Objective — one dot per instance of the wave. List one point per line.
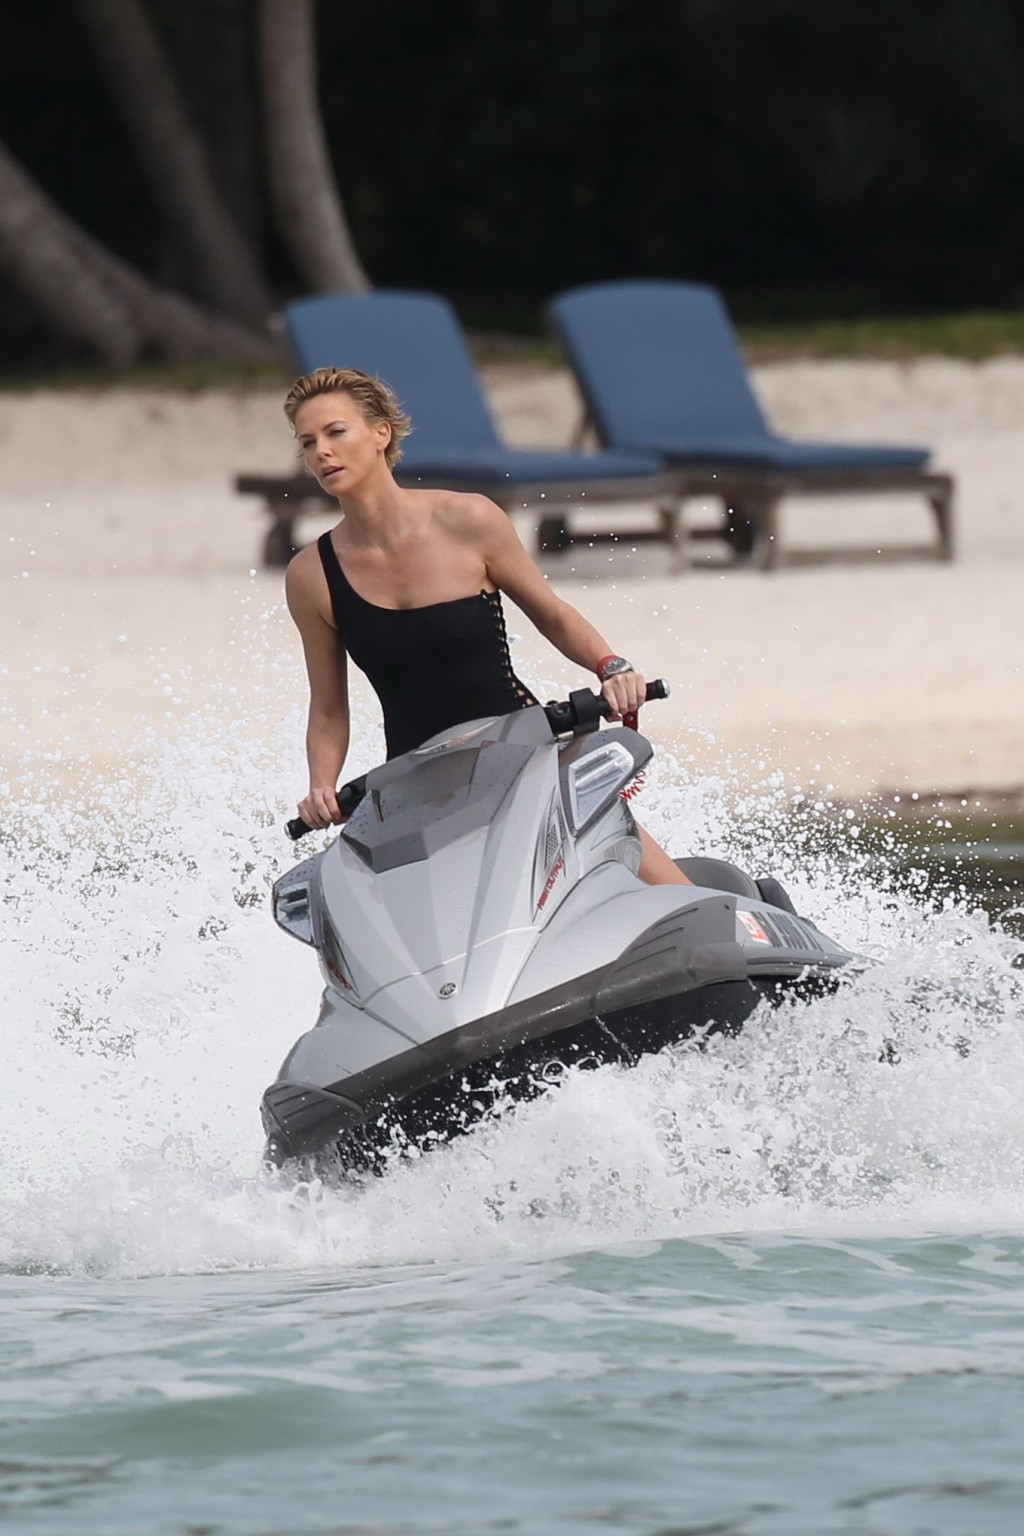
(148, 1000)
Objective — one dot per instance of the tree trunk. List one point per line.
(89, 295)
(143, 84)
(220, 82)
(308, 209)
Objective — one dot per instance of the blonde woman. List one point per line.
(409, 585)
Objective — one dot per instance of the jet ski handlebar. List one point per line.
(579, 714)
(349, 796)
(583, 710)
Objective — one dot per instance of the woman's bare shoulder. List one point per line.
(467, 515)
(304, 567)
(304, 580)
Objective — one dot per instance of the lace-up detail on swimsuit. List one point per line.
(523, 694)
(431, 667)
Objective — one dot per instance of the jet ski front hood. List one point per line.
(411, 876)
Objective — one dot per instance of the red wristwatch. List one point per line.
(611, 666)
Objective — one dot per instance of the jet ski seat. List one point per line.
(720, 875)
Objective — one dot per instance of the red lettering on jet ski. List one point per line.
(753, 927)
(556, 870)
(337, 973)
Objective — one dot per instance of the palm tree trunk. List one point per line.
(221, 87)
(143, 84)
(305, 197)
(89, 295)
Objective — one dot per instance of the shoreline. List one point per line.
(132, 594)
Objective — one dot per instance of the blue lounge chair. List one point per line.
(414, 342)
(660, 371)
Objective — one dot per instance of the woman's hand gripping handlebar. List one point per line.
(349, 796)
(583, 710)
(577, 715)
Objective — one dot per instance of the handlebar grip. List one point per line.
(349, 796)
(563, 717)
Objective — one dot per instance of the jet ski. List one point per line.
(480, 928)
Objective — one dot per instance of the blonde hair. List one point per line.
(376, 400)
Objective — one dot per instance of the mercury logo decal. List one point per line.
(448, 990)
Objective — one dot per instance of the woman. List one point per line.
(409, 585)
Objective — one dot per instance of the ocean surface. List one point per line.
(768, 1288)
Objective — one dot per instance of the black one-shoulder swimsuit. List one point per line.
(431, 667)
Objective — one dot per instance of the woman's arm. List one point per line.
(512, 570)
(327, 732)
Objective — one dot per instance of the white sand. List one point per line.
(132, 592)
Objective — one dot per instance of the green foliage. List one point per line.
(769, 145)
(972, 336)
(181, 378)
(849, 159)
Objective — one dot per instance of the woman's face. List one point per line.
(339, 445)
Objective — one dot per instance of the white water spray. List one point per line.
(148, 1000)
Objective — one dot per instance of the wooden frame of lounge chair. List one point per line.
(750, 505)
(751, 501)
(286, 497)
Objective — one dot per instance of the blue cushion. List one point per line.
(661, 370)
(519, 465)
(780, 453)
(414, 342)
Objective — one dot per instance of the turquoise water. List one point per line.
(772, 1287)
(751, 1383)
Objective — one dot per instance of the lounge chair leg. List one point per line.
(941, 501)
(279, 545)
(553, 535)
(767, 554)
(674, 533)
(740, 525)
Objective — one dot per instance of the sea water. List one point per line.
(774, 1286)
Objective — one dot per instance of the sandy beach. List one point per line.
(134, 597)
